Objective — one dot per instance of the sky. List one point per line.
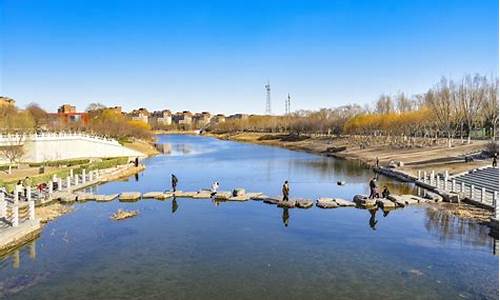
(217, 55)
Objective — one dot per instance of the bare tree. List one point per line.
(443, 102)
(471, 94)
(13, 151)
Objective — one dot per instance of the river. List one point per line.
(200, 249)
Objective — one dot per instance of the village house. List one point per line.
(183, 118)
(237, 117)
(219, 118)
(161, 118)
(67, 115)
(140, 114)
(202, 119)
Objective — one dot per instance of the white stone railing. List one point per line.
(16, 138)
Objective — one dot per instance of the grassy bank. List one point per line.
(63, 172)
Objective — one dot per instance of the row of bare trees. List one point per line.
(447, 110)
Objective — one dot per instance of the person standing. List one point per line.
(377, 162)
(286, 190)
(136, 163)
(174, 183)
(373, 188)
(213, 190)
(495, 160)
(386, 193)
(26, 185)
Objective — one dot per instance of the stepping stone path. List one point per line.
(202, 195)
(223, 195)
(272, 200)
(386, 203)
(130, 196)
(326, 203)
(344, 203)
(105, 198)
(287, 204)
(152, 195)
(304, 203)
(364, 201)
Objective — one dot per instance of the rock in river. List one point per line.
(326, 203)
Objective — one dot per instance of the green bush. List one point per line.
(58, 163)
(6, 167)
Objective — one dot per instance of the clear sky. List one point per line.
(217, 55)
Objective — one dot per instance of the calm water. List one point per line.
(198, 249)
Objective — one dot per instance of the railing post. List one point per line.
(71, 172)
(433, 178)
(419, 173)
(51, 187)
(83, 176)
(3, 206)
(472, 192)
(462, 187)
(15, 208)
(453, 182)
(483, 193)
(31, 205)
(68, 182)
(445, 183)
(59, 184)
(425, 176)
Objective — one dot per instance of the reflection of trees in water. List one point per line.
(355, 170)
(329, 166)
(449, 227)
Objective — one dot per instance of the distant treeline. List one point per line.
(448, 110)
(102, 122)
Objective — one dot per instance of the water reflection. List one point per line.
(174, 205)
(449, 227)
(285, 217)
(16, 256)
(373, 221)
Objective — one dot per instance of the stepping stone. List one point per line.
(326, 203)
(80, 196)
(344, 203)
(304, 203)
(364, 201)
(151, 195)
(399, 200)
(164, 196)
(239, 192)
(67, 197)
(223, 195)
(385, 203)
(433, 196)
(130, 196)
(272, 200)
(202, 195)
(255, 196)
(184, 194)
(239, 198)
(105, 198)
(287, 204)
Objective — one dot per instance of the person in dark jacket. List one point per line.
(174, 183)
(385, 192)
(373, 188)
(286, 191)
(495, 160)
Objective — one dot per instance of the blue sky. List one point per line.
(217, 55)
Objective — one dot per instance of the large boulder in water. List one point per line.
(304, 203)
(287, 204)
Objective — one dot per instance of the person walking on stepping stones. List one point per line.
(213, 190)
(174, 183)
(286, 190)
(373, 188)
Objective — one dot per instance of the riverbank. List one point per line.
(426, 158)
(147, 148)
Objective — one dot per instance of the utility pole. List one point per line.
(268, 98)
(287, 105)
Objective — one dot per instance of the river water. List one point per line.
(200, 249)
